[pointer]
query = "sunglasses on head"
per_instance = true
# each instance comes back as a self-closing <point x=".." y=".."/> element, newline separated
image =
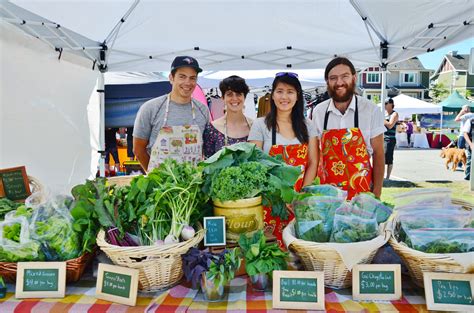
<point x="291" y="74"/>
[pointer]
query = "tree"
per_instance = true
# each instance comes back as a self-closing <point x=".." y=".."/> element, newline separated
<point x="468" y="94"/>
<point x="439" y="92"/>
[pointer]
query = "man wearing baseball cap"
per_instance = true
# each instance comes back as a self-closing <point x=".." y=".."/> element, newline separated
<point x="171" y="126"/>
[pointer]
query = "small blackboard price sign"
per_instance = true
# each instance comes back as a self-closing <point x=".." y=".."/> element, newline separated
<point x="117" y="284"/>
<point x="298" y="290"/>
<point x="376" y="282"/>
<point x="41" y="280"/>
<point x="215" y="231"/>
<point x="14" y="183"/>
<point x="449" y="292"/>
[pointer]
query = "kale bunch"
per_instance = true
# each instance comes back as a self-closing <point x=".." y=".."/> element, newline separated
<point x="246" y="180"/>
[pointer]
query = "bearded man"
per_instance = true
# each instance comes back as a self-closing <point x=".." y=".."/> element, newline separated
<point x="349" y="134"/>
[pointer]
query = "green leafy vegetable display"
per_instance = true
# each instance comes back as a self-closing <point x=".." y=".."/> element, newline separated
<point x="29" y="251"/>
<point x="353" y="229"/>
<point x="280" y="178"/>
<point x="261" y="258"/>
<point x="57" y="235"/>
<point x="442" y="246"/>
<point x="7" y="205"/>
<point x="246" y="180"/>
<point x="315" y="217"/>
<point x="12" y="232"/>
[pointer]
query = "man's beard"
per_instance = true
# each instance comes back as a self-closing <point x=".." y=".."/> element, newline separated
<point x="350" y="90"/>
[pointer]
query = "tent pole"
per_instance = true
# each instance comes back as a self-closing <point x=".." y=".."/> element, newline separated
<point x="441" y="128"/>
<point x="101" y="91"/>
<point x="383" y="85"/>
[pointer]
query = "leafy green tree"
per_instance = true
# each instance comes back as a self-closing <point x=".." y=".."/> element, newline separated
<point x="439" y="92"/>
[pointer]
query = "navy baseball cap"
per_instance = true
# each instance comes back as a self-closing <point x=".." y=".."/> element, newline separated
<point x="182" y="61"/>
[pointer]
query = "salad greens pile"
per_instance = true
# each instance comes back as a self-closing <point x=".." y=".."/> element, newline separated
<point x="261" y="258"/>
<point x="276" y="191"/>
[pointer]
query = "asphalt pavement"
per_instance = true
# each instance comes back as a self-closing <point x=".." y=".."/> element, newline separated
<point x="417" y="165"/>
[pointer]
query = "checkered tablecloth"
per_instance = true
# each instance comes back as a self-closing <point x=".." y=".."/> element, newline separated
<point x="239" y="298"/>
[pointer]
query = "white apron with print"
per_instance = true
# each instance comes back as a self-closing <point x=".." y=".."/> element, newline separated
<point x="181" y="143"/>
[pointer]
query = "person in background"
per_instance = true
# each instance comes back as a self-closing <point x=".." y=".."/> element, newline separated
<point x="409" y="124"/>
<point x="350" y="132"/>
<point x="234" y="126"/>
<point x="171" y="126"/>
<point x="390" y="141"/>
<point x="111" y="149"/>
<point x="130" y="153"/>
<point x="285" y="131"/>
<point x="463" y="116"/>
<point x="468" y="131"/>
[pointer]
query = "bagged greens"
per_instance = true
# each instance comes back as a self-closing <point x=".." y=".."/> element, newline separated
<point x="368" y="202"/>
<point x="15" y="242"/>
<point x="441" y="240"/>
<point x="430" y="197"/>
<point x="315" y="217"/>
<point x="325" y="190"/>
<point x="51" y="225"/>
<point x="351" y="224"/>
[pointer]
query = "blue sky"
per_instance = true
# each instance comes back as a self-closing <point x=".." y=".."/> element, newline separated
<point x="433" y="59"/>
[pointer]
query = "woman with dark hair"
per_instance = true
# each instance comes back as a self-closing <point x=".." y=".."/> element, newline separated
<point x="285" y="131"/>
<point x="234" y="126"/>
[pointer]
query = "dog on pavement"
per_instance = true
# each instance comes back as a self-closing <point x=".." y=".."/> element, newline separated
<point x="454" y="156"/>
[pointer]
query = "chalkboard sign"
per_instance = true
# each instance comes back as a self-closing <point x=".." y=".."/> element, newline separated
<point x="298" y="290"/>
<point x="449" y="292"/>
<point x="117" y="284"/>
<point x="41" y="280"/>
<point x="215" y="231"/>
<point x="376" y="282"/>
<point x="14" y="183"/>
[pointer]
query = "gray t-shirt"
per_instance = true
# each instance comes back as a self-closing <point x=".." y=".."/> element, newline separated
<point x="151" y="115"/>
<point x="260" y="132"/>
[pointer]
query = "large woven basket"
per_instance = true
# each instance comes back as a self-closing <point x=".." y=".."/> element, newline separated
<point x="160" y="267"/>
<point x="319" y="256"/>
<point x="74" y="268"/>
<point x="121" y="180"/>
<point x="418" y="262"/>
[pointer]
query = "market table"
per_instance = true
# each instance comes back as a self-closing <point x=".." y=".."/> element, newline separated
<point x="240" y="298"/>
<point x="420" y="140"/>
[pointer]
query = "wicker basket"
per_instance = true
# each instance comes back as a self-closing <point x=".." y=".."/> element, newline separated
<point x="317" y="256"/>
<point x="74" y="268"/>
<point x="418" y="262"/>
<point x="121" y="180"/>
<point x="160" y="266"/>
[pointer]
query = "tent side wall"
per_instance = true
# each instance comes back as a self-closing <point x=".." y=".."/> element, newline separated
<point x="45" y="112"/>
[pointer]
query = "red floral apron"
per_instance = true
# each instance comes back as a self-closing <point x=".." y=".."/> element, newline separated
<point x="294" y="155"/>
<point x="345" y="162"/>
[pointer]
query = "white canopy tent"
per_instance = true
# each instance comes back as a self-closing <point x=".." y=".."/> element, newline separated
<point x="227" y="35"/>
<point x="406" y="106"/>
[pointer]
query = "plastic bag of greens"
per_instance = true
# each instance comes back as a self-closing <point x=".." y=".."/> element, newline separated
<point x="429" y="197"/>
<point x="368" y="202"/>
<point x="325" y="190"/>
<point x="51" y="225"/>
<point x="314" y="217"/>
<point x="15" y="242"/>
<point x="441" y="240"/>
<point x="442" y="218"/>
<point x="353" y="225"/>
